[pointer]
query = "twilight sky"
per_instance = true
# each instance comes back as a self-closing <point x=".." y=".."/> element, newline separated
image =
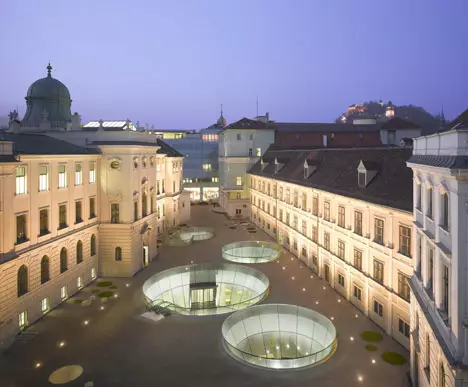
<point x="172" y="63"/>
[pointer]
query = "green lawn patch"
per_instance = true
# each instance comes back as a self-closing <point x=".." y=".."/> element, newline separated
<point x="107" y="294"/>
<point x="372" y="336"/>
<point x="393" y="358"/>
<point x="104" y="284"/>
<point x="371" y="347"/>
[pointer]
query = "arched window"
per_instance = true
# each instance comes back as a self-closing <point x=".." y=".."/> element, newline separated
<point x="93" y="245"/>
<point x="22" y="280"/>
<point x="144" y="204"/>
<point x="118" y="253"/>
<point x="79" y="252"/>
<point x="63" y="260"/>
<point x="45" y="270"/>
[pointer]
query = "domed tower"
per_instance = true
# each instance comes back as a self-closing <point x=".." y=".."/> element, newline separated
<point x="48" y="99"/>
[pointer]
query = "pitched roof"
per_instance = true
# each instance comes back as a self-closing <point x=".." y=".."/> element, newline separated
<point x="461" y="121"/>
<point x="324" y="127"/>
<point x="167" y="149"/>
<point x="397" y="123"/>
<point x="247" y="123"/>
<point x="337" y="172"/>
<point x="40" y="144"/>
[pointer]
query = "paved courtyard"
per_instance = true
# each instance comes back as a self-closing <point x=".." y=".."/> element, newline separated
<point x="117" y="347"/>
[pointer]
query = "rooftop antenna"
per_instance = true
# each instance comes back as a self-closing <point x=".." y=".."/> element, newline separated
<point x="257" y="105"/>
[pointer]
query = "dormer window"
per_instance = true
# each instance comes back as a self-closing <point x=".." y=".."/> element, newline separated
<point x="278" y="165"/>
<point x="367" y="170"/>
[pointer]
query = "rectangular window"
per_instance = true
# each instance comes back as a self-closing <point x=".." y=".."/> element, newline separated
<point x="62" y="176"/>
<point x="403" y="328"/>
<point x="405" y="241"/>
<point x="92" y="172"/>
<point x="251" y="137"/>
<point x="250" y="152"/>
<point x="92" y="208"/>
<point x="403" y="287"/>
<point x="358" y="259"/>
<point x="79" y="282"/>
<point x="430" y="272"/>
<point x="295" y="222"/>
<point x="135" y="210"/>
<point x="315" y="205"/>
<point x="326" y="210"/>
<point x="115" y="213"/>
<point x="43" y="222"/>
<point x="304" y="201"/>
<point x="326" y="241"/>
<point x="45" y="305"/>
<point x="23" y="319"/>
<point x="379" y="231"/>
<point x="304" y="252"/>
<point x="445" y="211"/>
<point x="357" y="292"/>
<point x="78" y="174"/>
<point x="152" y="202"/>
<point x="314" y="234"/>
<point x="206" y="167"/>
<point x="238" y="195"/>
<point x="361" y="179"/>
<point x="238" y="137"/>
<point x="78" y="213"/>
<point x="62" y="216"/>
<point x="239" y="180"/>
<point x="281" y="215"/>
<point x="445" y="290"/>
<point x="341" y="250"/>
<point x="378" y="271"/>
<point x="429" y="202"/>
<point x="341" y="279"/>
<point x="21" y="235"/>
<point x="341" y="217"/>
<point x="378" y="308"/>
<point x="296" y="199"/>
<point x="93" y="273"/>
<point x="358" y="222"/>
<point x="43" y="178"/>
<point x="304" y="227"/>
<point x="20" y="180"/>
<point x="259" y="152"/>
<point x="63" y="293"/>
<point x="418" y="195"/>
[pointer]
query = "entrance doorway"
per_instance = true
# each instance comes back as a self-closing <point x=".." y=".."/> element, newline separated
<point x="203" y="295"/>
<point x="145" y="255"/>
<point x="327" y="273"/>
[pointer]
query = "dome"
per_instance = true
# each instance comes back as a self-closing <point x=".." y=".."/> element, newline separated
<point x="48" y="88"/>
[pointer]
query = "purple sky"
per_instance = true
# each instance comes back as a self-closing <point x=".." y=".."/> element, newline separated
<point x="172" y="63"/>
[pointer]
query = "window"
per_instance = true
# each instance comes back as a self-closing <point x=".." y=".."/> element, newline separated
<point x="152" y="202"/>
<point x="341" y="250"/>
<point x="206" y="167"/>
<point x="357" y="292"/>
<point x="22" y="280"/>
<point x="43" y="178"/>
<point x="259" y="152"/>
<point x="93" y="273"/>
<point x="43" y="222"/>
<point x="78" y="217"/>
<point x="403" y="328"/>
<point x="341" y="216"/>
<point x="405" y="241"/>
<point x="358" y="222"/>
<point x="63" y="260"/>
<point x="238" y="211"/>
<point x="21" y="235"/>
<point x="45" y="305"/>
<point x="379" y="231"/>
<point x="23" y="319"/>
<point x="118" y="253"/>
<point x="314" y="234"/>
<point x="151" y="161"/>
<point x="79" y="282"/>
<point x="296" y="199"/>
<point x="304" y="227"/>
<point x="341" y="279"/>
<point x="173" y="187"/>
<point x="430" y="272"/>
<point x="135" y="210"/>
<point x="361" y="179"/>
<point x="326" y="273"/>
<point x="20" y="180"/>
<point x="378" y="271"/>
<point x="93" y="245"/>
<point x="62" y="176"/>
<point x="250" y="152"/>
<point x="238" y="195"/>
<point x="63" y="292"/>
<point x="295" y="245"/>
<point x="92" y="172"/>
<point x="238" y="137"/>
<point x="45" y="269"/>
<point x="92" y="208"/>
<point x="135" y="162"/>
<point x="214" y="179"/>
<point x="115" y="214"/>
<point x="144" y="204"/>
<point x="251" y="137"/>
<point x="428" y="358"/>
<point x="403" y="287"/>
<point x="445" y="211"/>
<point x="304" y="252"/>
<point x="378" y="308"/>
<point x="143" y="162"/>
<point x="418" y="195"/>
<point x="315" y="205"/>
<point x="445" y="290"/>
<point x="429" y="202"/>
<point x="239" y="180"/>
<point x="62" y="216"/>
<point x="79" y="252"/>
<point x="295" y="222"/>
<point x="78" y="174"/>
<point x="326" y="210"/>
<point x="326" y="241"/>
<point x="358" y="259"/>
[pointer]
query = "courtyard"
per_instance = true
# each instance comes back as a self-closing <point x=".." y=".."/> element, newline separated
<point x="116" y="346"/>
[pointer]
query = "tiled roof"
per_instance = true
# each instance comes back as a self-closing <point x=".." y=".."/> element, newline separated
<point x="337" y="172"/>
<point x="247" y="123"/>
<point x="397" y="123"/>
<point x="324" y="127"/>
<point x="167" y="149"/>
<point x="39" y="144"/>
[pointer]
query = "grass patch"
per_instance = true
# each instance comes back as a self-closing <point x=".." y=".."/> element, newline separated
<point x="372" y="336"/>
<point x="107" y="294"/>
<point x="371" y="347"/>
<point x="104" y="284"/>
<point x="113" y="287"/>
<point x="77" y="301"/>
<point x="393" y="358"/>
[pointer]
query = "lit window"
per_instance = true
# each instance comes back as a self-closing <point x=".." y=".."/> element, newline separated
<point x="20" y="180"/>
<point x="259" y="152"/>
<point x="207" y="167"/>
<point x="62" y="176"/>
<point x="214" y="179"/>
<point x="79" y="282"/>
<point x="23" y="319"/>
<point x="63" y="292"/>
<point x="239" y="180"/>
<point x="93" y="273"/>
<point x="45" y="305"/>
<point x="78" y="174"/>
<point x="92" y="173"/>
<point x="43" y="178"/>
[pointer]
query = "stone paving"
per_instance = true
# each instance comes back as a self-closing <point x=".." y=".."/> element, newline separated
<point x="117" y="347"/>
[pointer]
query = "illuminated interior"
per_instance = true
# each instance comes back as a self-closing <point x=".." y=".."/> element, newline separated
<point x="279" y="336"/>
<point x="185" y="236"/>
<point x="251" y="252"/>
<point x="206" y="289"/>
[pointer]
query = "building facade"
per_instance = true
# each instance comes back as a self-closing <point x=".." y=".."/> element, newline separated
<point x="334" y="210"/>
<point x="439" y="324"/>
